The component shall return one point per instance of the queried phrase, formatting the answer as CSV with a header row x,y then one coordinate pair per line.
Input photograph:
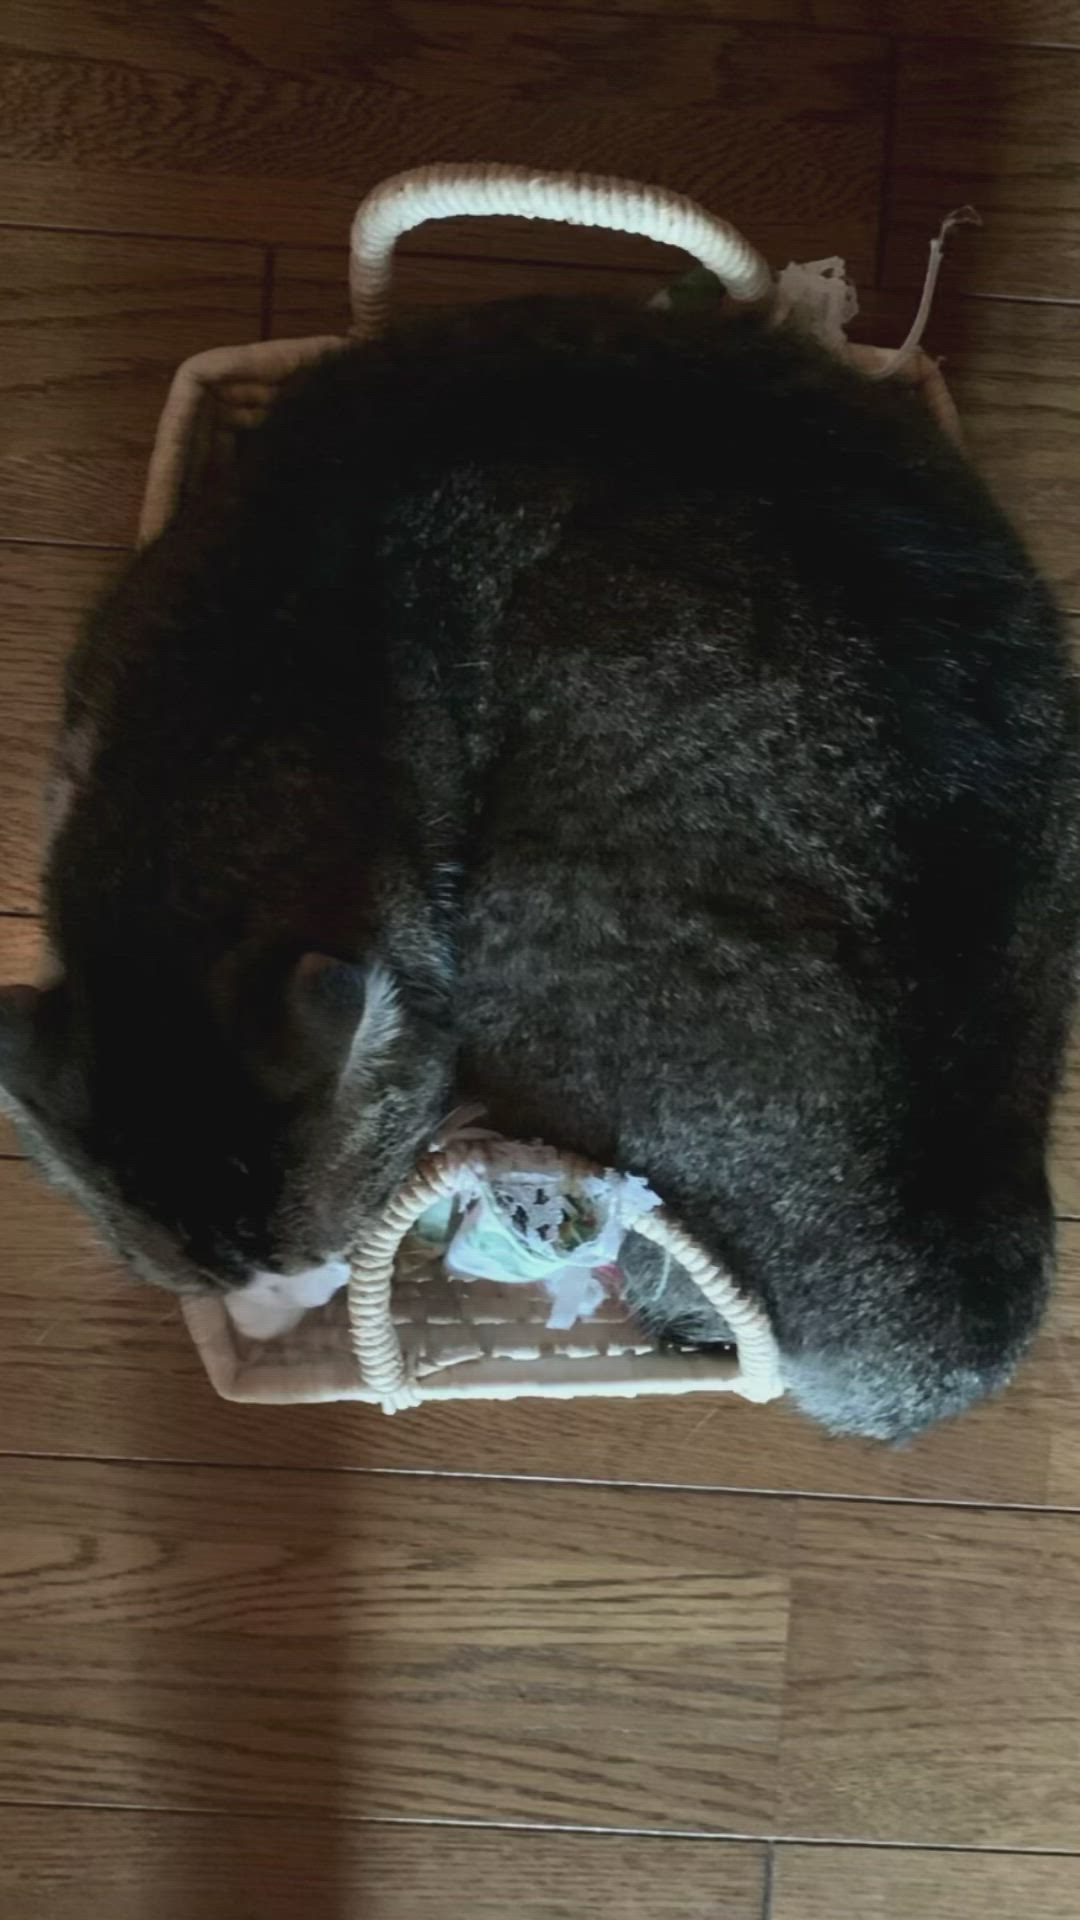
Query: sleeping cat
x,y
639,724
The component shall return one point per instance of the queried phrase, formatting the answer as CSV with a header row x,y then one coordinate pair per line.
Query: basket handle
x,y
578,199
374,1336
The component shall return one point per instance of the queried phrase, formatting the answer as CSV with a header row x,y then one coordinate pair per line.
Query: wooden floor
x,y
667,1661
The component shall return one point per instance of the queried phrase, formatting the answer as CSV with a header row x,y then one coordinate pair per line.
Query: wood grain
x,y
1031,22
325,37
1014,372
271,124
43,594
1065,1139
996,126
21,947
933,1676
338,1642
93,1363
1062,1400
1035,22
389,1646
65,1864
21,960
820,1883
1013,368
92,329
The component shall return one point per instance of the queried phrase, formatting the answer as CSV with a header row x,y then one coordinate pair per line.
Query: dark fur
x,y
675,719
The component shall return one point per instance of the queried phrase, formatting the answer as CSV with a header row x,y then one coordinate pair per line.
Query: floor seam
x,y
937,1503
458,1823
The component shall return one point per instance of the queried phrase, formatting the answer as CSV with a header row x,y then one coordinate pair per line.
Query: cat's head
x,y
223,1139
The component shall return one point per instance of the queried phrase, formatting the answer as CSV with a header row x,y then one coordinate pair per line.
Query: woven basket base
x,y
462,1339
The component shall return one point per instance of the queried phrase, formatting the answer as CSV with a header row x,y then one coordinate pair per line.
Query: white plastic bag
x,y
548,1226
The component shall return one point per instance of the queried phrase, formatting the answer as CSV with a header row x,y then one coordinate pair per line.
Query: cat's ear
x,y
327,1003
18,1007
328,1018
341,1015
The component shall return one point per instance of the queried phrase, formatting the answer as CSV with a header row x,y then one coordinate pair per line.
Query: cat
x,y
636,722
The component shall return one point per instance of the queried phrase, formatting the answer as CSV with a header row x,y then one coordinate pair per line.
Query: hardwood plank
x,y
1017,22
92,328
1030,22
272,124
1035,22
43,594
817,1883
933,1677
21,947
65,1863
326,36
92,1363
1062,1406
381,1646
995,126
21,960
1013,369
1065,1139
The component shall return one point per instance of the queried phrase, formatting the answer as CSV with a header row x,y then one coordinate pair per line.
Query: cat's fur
x,y
640,724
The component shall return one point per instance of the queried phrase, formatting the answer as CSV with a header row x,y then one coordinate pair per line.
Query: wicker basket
x,y
402,1332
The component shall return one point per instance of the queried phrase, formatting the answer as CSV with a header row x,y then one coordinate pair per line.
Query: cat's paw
x,y
274,1303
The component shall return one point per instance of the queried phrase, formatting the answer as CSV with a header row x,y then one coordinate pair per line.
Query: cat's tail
x,y
911,1336
927,1336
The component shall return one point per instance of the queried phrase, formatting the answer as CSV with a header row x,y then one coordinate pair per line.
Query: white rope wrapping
x,y
581,200
374,1336
759,1360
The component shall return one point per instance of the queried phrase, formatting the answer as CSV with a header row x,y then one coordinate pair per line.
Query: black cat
x,y
639,723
